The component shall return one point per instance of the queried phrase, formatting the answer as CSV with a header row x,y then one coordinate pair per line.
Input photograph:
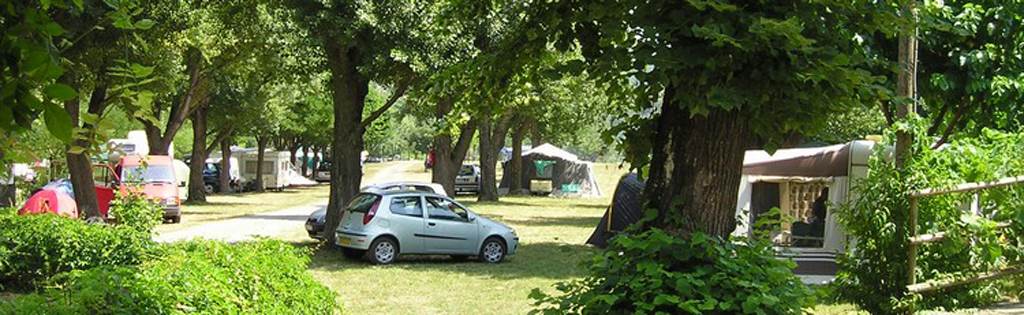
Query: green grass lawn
x,y
552,233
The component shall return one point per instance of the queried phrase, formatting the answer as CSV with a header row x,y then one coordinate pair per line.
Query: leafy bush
x,y
135,211
36,247
873,275
207,277
653,272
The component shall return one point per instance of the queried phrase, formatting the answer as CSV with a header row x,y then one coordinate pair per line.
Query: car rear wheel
x,y
176,219
208,188
493,251
352,253
383,251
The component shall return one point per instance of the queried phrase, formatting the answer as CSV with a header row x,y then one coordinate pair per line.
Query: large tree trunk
x,y
515,165
348,93
79,165
448,156
492,139
224,177
196,191
261,146
695,170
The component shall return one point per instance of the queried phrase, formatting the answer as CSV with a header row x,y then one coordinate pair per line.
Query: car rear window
x,y
466,170
424,189
362,203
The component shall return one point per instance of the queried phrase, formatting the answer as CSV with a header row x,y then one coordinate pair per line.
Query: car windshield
x,y
148,174
466,170
362,203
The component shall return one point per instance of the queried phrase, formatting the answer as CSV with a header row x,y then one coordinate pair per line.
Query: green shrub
x,y
135,211
653,272
36,247
204,277
874,274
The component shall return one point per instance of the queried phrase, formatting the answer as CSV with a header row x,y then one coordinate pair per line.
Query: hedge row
x,y
68,266
203,277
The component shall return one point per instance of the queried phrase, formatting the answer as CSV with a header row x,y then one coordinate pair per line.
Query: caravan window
x,y
796,210
268,167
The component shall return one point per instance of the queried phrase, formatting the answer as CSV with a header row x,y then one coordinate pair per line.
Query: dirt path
x,y
274,223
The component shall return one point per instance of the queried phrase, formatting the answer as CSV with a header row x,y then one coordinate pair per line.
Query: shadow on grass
x,y
474,203
557,261
217,204
553,221
590,206
277,217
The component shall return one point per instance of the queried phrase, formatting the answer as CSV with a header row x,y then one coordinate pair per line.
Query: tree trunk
x,y
492,139
224,176
293,150
535,137
194,97
905,222
448,157
348,93
695,170
79,165
261,146
196,190
316,160
515,165
906,87
305,160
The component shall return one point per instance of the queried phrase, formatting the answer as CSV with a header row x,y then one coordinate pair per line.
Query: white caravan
x,y
806,185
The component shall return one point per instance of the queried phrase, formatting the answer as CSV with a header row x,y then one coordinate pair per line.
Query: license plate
x,y
344,241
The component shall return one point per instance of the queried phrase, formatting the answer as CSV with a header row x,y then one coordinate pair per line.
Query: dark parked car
x,y
317,219
468,179
211,179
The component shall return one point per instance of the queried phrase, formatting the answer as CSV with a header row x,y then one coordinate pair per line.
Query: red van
x,y
155,176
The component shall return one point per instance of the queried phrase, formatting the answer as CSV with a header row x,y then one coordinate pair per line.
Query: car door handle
x,y
431,223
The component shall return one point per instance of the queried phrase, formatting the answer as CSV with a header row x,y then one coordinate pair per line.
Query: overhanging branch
x,y
399,92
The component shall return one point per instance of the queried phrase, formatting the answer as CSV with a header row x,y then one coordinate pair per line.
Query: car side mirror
x,y
470,218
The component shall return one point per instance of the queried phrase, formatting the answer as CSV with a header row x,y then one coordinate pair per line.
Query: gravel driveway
x,y
273,223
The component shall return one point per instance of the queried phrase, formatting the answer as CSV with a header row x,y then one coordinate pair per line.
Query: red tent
x,y
50,201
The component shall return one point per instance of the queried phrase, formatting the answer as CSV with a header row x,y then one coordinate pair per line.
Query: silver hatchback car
x,y
380,225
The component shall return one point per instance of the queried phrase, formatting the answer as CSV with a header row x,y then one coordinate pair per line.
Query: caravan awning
x,y
805,162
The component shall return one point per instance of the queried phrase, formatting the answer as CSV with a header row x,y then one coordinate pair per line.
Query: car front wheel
x,y
493,251
383,251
